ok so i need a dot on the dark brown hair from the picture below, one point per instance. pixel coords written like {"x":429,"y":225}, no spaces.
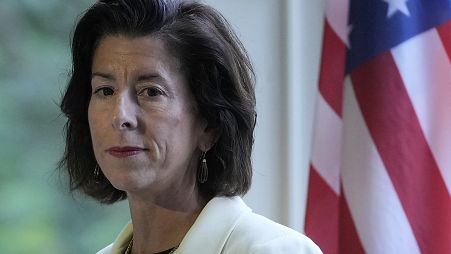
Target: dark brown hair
{"x":219,"y":75}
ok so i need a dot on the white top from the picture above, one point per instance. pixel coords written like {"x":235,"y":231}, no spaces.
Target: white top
{"x":228,"y":226}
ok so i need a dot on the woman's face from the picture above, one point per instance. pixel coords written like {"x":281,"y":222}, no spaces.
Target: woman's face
{"x":145,"y":129}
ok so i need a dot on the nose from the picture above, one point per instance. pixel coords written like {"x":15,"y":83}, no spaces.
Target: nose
{"x":124,"y":115}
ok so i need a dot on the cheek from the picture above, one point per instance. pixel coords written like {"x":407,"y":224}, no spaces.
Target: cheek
{"x":95,"y":126}
{"x":91,"y":121}
{"x":165,"y":130}
{"x":184,"y":131}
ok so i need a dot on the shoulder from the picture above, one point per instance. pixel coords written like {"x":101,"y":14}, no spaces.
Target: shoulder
{"x":256,"y":234}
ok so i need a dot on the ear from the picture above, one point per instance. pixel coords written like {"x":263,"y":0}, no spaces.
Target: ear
{"x":208,"y":137}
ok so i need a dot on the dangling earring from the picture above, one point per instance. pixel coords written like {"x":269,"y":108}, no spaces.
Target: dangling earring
{"x":97,"y":172}
{"x":202,"y":174}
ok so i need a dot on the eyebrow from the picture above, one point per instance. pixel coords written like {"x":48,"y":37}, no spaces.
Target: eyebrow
{"x":102,"y":75}
{"x":144,"y":77}
{"x":147,"y":77}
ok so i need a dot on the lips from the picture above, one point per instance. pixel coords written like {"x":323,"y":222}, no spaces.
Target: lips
{"x":125,"y":151}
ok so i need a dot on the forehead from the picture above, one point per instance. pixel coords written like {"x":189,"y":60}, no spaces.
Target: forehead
{"x":133,"y":52}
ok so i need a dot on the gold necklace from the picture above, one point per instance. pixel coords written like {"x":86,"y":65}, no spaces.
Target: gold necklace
{"x":129,"y":247}
{"x":130,"y":244}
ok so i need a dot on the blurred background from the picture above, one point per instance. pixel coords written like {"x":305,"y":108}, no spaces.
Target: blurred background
{"x":38,"y":214}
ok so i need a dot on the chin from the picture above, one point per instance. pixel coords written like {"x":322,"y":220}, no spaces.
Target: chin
{"x":129,"y":182}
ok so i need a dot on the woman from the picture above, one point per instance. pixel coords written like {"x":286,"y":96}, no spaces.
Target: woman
{"x":161,"y":111}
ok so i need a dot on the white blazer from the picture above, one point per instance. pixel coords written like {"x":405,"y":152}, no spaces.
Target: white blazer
{"x":228,"y":226}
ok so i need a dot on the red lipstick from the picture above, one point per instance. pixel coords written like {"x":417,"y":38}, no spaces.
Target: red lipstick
{"x":124,"y":151}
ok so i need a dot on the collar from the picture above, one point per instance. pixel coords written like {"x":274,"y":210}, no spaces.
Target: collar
{"x":216,"y":221}
{"x":122,"y":240}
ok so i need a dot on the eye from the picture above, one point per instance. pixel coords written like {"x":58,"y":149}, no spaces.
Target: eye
{"x":104,"y":91}
{"x":150,"y":92}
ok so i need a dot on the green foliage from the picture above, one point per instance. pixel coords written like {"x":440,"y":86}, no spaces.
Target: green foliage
{"x":37,"y":212}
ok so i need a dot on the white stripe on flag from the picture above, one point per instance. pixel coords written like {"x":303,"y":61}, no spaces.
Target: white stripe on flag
{"x":373,"y":202}
{"x":337,"y":15}
{"x":426,"y":73}
{"x":327,"y":144}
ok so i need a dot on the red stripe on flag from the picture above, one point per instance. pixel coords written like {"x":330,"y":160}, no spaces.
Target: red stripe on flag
{"x":396,"y":131}
{"x":332,"y":69}
{"x":349,"y":239}
{"x":321,"y":219}
{"x":444,"y":31}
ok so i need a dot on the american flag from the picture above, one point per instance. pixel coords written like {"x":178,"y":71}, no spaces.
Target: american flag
{"x":380,"y":175}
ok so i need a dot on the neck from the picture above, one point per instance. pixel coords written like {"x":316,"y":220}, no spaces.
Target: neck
{"x":158,"y":224}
